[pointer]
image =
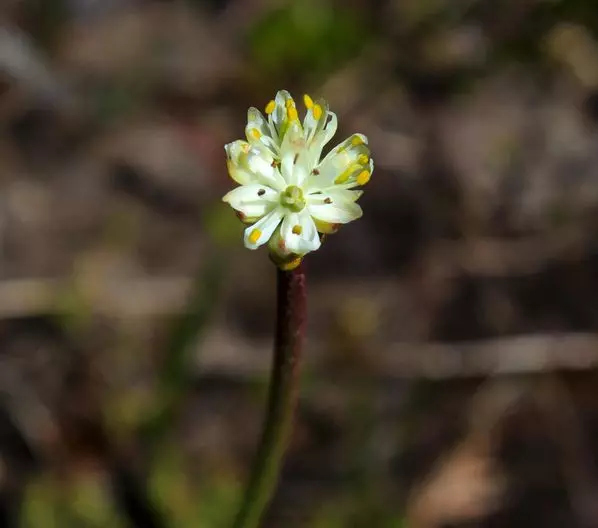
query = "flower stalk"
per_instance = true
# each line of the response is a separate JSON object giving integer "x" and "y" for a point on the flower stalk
{"x": 282, "y": 397}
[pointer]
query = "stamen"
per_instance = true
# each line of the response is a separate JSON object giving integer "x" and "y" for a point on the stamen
{"x": 292, "y": 114}
{"x": 291, "y": 264}
{"x": 308, "y": 101}
{"x": 261, "y": 192}
{"x": 328, "y": 201}
{"x": 316, "y": 172}
{"x": 363, "y": 159}
{"x": 345, "y": 175}
{"x": 255, "y": 133}
{"x": 254, "y": 236}
{"x": 297, "y": 229}
{"x": 317, "y": 110}
{"x": 356, "y": 140}
{"x": 363, "y": 177}
{"x": 270, "y": 107}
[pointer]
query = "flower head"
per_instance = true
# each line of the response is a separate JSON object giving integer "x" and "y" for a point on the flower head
{"x": 286, "y": 191}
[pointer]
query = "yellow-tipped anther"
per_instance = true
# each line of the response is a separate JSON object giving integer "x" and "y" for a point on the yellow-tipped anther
{"x": 292, "y": 113}
{"x": 297, "y": 229}
{"x": 255, "y": 133}
{"x": 317, "y": 110}
{"x": 270, "y": 107}
{"x": 356, "y": 140}
{"x": 308, "y": 101}
{"x": 363, "y": 159}
{"x": 363, "y": 177}
{"x": 254, "y": 236}
{"x": 289, "y": 102}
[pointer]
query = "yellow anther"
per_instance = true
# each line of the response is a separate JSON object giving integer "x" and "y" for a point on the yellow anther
{"x": 308, "y": 101}
{"x": 344, "y": 176}
{"x": 363, "y": 177}
{"x": 317, "y": 110}
{"x": 356, "y": 140}
{"x": 254, "y": 236}
{"x": 255, "y": 133}
{"x": 363, "y": 159}
{"x": 289, "y": 102}
{"x": 327, "y": 228}
{"x": 289, "y": 265}
{"x": 297, "y": 229}
{"x": 292, "y": 113}
{"x": 270, "y": 107}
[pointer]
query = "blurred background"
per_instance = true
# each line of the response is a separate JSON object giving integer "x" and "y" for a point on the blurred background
{"x": 450, "y": 375}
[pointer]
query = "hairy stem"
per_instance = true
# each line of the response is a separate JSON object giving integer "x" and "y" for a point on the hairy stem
{"x": 282, "y": 397}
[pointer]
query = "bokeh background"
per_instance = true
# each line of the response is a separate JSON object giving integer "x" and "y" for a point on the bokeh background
{"x": 450, "y": 375}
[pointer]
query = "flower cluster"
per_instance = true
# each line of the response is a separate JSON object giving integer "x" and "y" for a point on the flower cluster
{"x": 286, "y": 192}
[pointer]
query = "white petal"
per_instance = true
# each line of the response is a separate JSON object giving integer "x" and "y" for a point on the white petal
{"x": 313, "y": 124}
{"x": 292, "y": 153}
{"x": 259, "y": 233}
{"x": 342, "y": 165}
{"x": 323, "y": 133}
{"x": 260, "y": 163}
{"x": 258, "y": 132}
{"x": 252, "y": 201}
{"x": 336, "y": 212}
{"x": 333, "y": 195}
{"x": 237, "y": 172}
{"x": 299, "y": 233}
{"x": 278, "y": 117}
{"x": 329, "y": 129}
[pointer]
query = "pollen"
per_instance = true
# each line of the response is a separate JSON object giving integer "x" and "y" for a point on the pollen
{"x": 308, "y": 101}
{"x": 254, "y": 236}
{"x": 356, "y": 140}
{"x": 297, "y": 229}
{"x": 317, "y": 110}
{"x": 292, "y": 113}
{"x": 363, "y": 177}
{"x": 270, "y": 107}
{"x": 255, "y": 133}
{"x": 363, "y": 159}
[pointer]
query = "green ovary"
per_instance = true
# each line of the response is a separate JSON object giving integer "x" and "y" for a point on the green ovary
{"x": 292, "y": 198}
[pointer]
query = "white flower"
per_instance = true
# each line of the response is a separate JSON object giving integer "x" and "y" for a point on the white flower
{"x": 287, "y": 193}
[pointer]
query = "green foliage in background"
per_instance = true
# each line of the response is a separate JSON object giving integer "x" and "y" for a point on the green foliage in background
{"x": 306, "y": 37}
